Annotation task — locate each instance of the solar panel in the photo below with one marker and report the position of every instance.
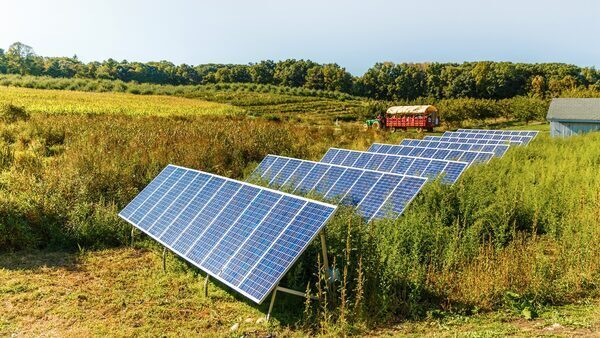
(375, 194)
(532, 133)
(400, 164)
(470, 140)
(244, 235)
(500, 137)
(498, 149)
(432, 152)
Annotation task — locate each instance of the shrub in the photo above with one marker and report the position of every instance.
(10, 113)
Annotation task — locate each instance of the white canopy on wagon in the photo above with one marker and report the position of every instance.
(416, 110)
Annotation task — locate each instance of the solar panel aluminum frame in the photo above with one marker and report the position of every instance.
(222, 280)
(426, 179)
(467, 164)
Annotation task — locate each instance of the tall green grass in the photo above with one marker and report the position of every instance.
(64, 177)
(526, 224)
(526, 227)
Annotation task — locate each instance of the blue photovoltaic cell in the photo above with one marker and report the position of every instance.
(466, 140)
(402, 165)
(262, 168)
(177, 211)
(200, 223)
(171, 205)
(350, 159)
(416, 152)
(435, 150)
(158, 194)
(246, 236)
(435, 168)
(372, 149)
(453, 171)
(328, 157)
(188, 214)
(227, 216)
(496, 147)
(273, 170)
(285, 173)
(260, 240)
(483, 157)
(400, 197)
(339, 157)
(346, 181)
(403, 151)
(312, 178)
(362, 160)
(431, 153)
(163, 203)
(456, 155)
(299, 174)
(240, 231)
(416, 166)
(282, 254)
(469, 157)
(147, 191)
(375, 162)
(522, 133)
(443, 154)
(499, 137)
(348, 185)
(389, 163)
(329, 179)
(378, 194)
(360, 188)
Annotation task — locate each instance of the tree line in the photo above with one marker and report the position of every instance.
(383, 81)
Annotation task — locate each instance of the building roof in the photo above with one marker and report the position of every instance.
(411, 109)
(574, 110)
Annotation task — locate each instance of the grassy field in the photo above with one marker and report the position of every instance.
(512, 248)
(77, 102)
(273, 102)
(125, 292)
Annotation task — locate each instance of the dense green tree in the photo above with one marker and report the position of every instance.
(262, 72)
(292, 72)
(2, 62)
(315, 78)
(383, 81)
(336, 78)
(21, 59)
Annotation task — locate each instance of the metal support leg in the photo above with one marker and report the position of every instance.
(271, 305)
(325, 260)
(164, 256)
(132, 233)
(206, 285)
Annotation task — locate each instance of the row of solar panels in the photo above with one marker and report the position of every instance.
(373, 191)
(511, 136)
(248, 236)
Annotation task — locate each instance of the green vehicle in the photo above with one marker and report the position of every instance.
(373, 123)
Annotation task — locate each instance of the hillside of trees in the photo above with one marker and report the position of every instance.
(383, 81)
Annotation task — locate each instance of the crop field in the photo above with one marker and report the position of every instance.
(274, 102)
(512, 248)
(76, 102)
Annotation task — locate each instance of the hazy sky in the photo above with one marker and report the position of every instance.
(354, 34)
